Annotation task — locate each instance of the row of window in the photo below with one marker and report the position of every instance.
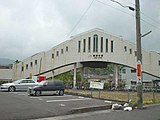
(58, 52)
(95, 44)
(130, 50)
(27, 65)
(31, 63)
(132, 71)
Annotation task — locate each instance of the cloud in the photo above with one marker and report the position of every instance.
(28, 27)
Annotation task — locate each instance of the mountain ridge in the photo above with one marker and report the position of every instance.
(6, 61)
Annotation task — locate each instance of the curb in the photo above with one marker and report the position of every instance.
(90, 109)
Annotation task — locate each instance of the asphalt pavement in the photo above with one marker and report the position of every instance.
(149, 113)
(20, 106)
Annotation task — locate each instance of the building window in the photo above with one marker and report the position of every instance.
(159, 62)
(57, 53)
(89, 44)
(124, 71)
(31, 64)
(79, 46)
(111, 46)
(66, 48)
(135, 52)
(125, 48)
(101, 44)
(106, 45)
(35, 62)
(84, 45)
(61, 51)
(26, 66)
(95, 43)
(130, 51)
(52, 55)
(22, 68)
(133, 70)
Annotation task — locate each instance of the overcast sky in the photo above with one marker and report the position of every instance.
(31, 26)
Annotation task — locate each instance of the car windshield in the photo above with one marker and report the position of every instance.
(17, 81)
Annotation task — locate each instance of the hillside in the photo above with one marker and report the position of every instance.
(6, 61)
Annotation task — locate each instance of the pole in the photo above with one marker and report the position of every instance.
(74, 77)
(139, 53)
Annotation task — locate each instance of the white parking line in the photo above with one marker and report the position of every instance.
(49, 101)
(35, 97)
(22, 94)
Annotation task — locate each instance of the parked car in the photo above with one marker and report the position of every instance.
(47, 86)
(17, 85)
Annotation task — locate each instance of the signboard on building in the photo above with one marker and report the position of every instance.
(96, 85)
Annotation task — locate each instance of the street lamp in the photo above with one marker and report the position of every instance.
(130, 8)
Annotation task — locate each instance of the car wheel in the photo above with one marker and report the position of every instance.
(38, 93)
(11, 89)
(61, 92)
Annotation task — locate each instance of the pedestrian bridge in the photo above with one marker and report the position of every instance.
(93, 48)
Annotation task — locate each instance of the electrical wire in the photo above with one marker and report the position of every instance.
(129, 2)
(150, 24)
(114, 8)
(81, 18)
(133, 15)
(150, 18)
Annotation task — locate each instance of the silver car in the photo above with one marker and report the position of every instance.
(18, 85)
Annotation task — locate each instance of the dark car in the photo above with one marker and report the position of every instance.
(47, 86)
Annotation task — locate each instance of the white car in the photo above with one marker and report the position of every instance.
(18, 85)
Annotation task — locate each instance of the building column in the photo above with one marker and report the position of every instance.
(82, 76)
(52, 74)
(116, 75)
(74, 76)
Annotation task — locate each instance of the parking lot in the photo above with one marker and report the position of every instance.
(18, 105)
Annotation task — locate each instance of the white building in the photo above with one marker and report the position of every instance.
(94, 48)
(6, 73)
(129, 75)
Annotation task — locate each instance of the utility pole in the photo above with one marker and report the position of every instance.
(139, 55)
(139, 51)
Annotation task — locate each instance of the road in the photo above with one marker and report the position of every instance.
(20, 106)
(150, 113)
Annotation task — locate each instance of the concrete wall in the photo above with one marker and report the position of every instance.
(6, 74)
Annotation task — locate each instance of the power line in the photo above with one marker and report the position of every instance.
(131, 15)
(150, 24)
(114, 8)
(81, 18)
(140, 11)
(129, 2)
(150, 18)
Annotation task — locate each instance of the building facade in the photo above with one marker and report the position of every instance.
(130, 77)
(94, 48)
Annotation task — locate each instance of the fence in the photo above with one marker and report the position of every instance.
(126, 96)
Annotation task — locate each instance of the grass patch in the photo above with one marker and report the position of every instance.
(148, 98)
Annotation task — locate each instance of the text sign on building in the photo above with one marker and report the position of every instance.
(139, 70)
(96, 85)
